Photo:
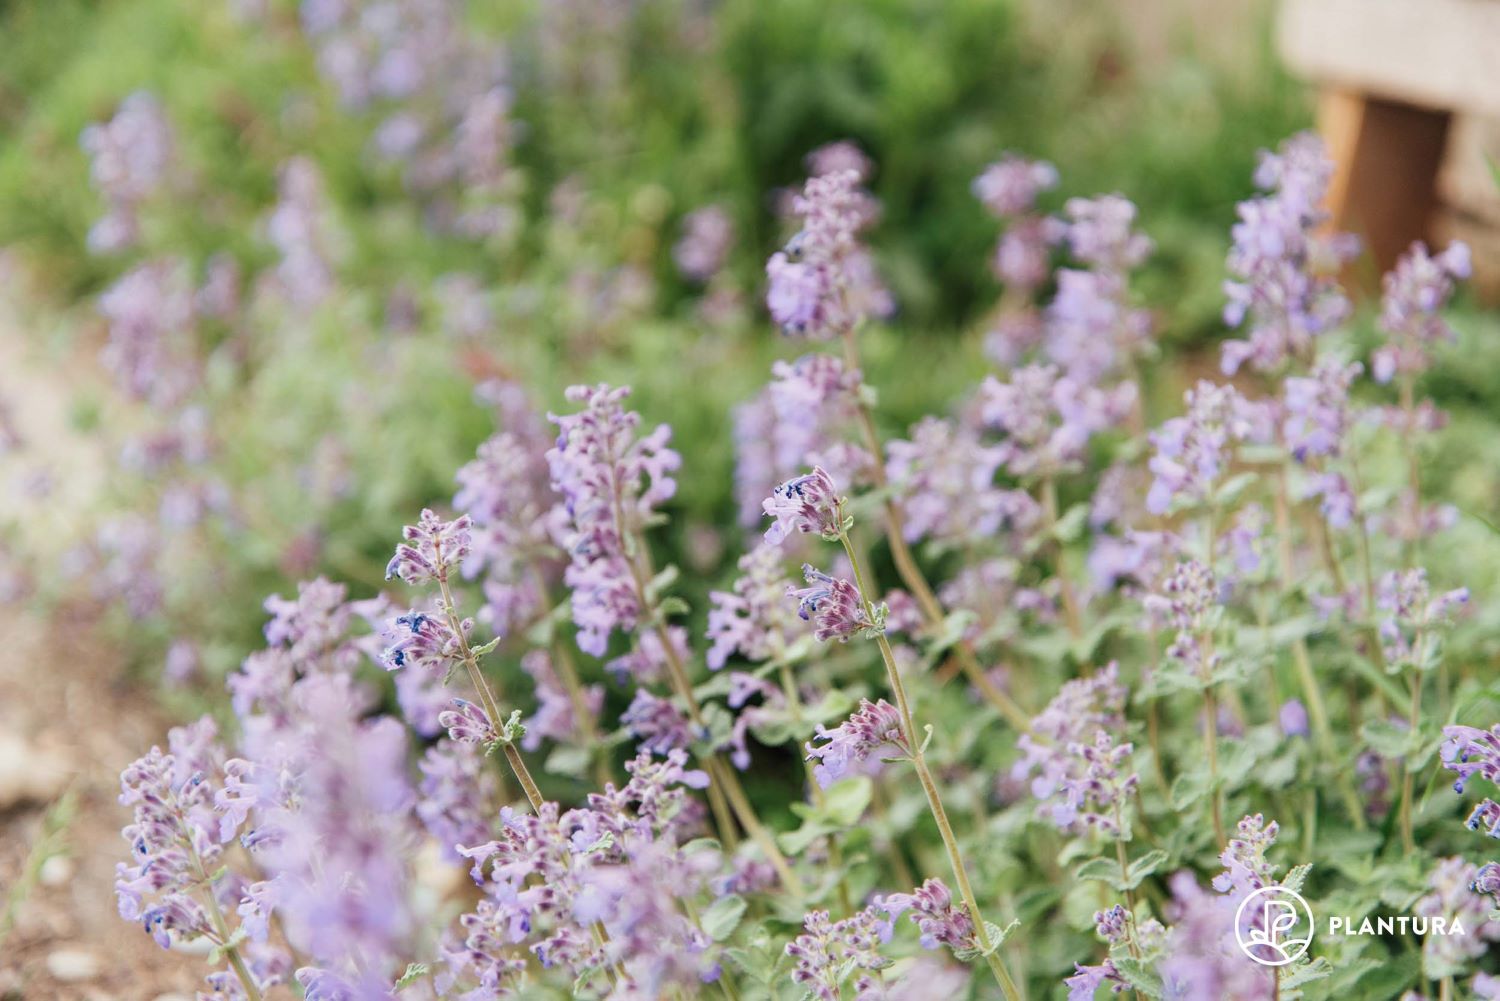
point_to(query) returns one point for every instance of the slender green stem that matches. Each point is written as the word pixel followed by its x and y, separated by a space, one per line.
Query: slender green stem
pixel 221 927
pixel 929 787
pixel 487 697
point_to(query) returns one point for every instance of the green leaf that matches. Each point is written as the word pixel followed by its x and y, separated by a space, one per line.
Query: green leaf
pixel 1070 526
pixel 1138 975
pixel 414 972
pixel 1296 877
pixel 723 916
pixel 1386 738
pixel 845 802
pixel 1143 867
pixel 1188 788
pixel 1106 870
pixel 1306 973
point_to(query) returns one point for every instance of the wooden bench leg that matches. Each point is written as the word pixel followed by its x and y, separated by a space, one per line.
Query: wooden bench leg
pixel 1386 157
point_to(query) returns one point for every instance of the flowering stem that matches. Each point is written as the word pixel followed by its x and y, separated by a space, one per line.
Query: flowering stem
pixel 486 697
pixel 221 927
pixel 929 787
pixel 911 574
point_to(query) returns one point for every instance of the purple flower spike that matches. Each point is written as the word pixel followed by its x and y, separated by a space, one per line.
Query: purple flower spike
pixel 433 549
pixel 468 723
pixel 809 503
pixel 834 605
pixel 874 729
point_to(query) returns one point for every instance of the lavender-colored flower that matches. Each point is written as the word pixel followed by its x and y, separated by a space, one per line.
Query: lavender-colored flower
pixel 799 420
pixel 1082 708
pixel 423 641
pixel 932 911
pixel 657 724
pixel 810 503
pixel 824 283
pixel 834 606
pixel 1022 261
pixel 150 352
pixel 506 493
pixel 945 478
pixel 1048 417
pixel 1452 896
pixel 1010 186
pixel 875 730
pixel 433 549
pixel 1416 291
pixel 1087 980
pixel 337 860
pixel 1101 233
pixel 648 661
pixel 1292 718
pixel 1091 329
pixel 468 723
pixel 838 156
pixel 130 156
pixel 300 229
pixel 828 953
pixel 707 236
pixel 611 480
pixel 313 627
pixel 1315 409
pixel 457 796
pixel 1189 601
pixel 1485 816
pixel 557 715
pixel 1413 617
pixel 1096 793
pixel 1246 868
pixel 1284 268
pixel 754 620
pixel 1203 960
pixel 1192 451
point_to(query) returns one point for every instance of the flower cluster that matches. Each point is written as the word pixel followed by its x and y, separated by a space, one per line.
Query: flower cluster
pixel 1411 309
pixel 1192 451
pixel 875 729
pixel 1048 417
pixel 1284 267
pixel 1412 616
pixel 823 283
pixel 611 481
pixel 809 504
pixel 753 619
pixel 798 421
pixel 130 157
pixel 828 953
pixel 834 606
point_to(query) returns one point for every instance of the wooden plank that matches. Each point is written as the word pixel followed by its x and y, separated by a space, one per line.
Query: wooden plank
pixel 1386 158
pixel 1439 54
pixel 1467 181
